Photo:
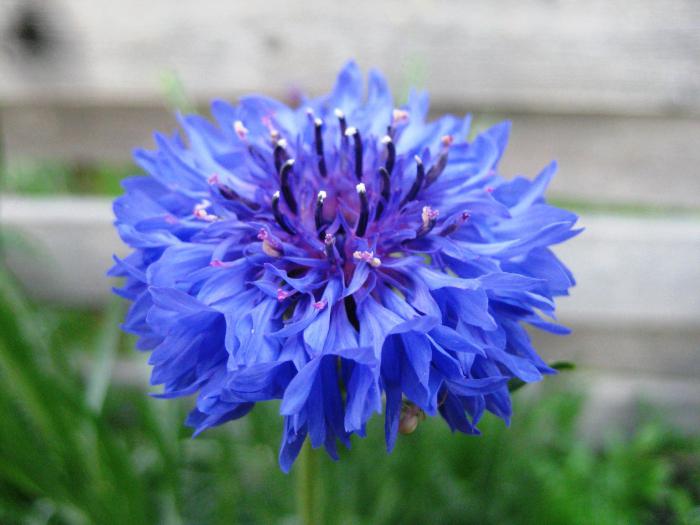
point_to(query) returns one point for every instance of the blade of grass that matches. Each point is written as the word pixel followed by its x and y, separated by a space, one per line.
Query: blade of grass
pixel 40 396
pixel 560 366
pixel 92 469
pixel 106 346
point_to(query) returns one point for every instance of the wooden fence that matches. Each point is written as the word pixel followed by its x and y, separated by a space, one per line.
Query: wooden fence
pixel 611 89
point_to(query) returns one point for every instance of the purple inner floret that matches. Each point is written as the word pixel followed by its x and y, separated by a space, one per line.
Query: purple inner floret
pixel 346 257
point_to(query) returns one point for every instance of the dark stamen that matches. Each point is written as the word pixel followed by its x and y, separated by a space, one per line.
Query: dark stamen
pixel 351 311
pixel 318 213
pixel 364 210
pixel 355 134
pixel 450 229
pixel 420 175
pixel 386 192
pixel 280 154
pixel 386 183
pixel 281 219
pixel 425 230
pixel 436 169
pixel 258 157
pixel 342 122
pixel 229 194
pixel 390 154
pixel 286 188
pixel 318 135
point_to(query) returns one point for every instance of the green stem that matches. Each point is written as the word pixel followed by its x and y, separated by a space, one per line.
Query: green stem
pixel 308 501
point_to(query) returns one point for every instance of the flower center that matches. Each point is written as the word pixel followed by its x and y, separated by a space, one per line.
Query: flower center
pixel 315 200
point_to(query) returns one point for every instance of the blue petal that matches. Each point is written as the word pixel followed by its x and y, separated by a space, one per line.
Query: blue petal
pixel 299 388
pixel 292 441
pixel 499 134
pixel 348 90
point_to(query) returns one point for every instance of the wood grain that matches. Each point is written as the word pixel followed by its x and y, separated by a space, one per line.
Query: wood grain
pixel 627 56
pixel 630 271
pixel 616 401
pixel 609 159
pixel 634 313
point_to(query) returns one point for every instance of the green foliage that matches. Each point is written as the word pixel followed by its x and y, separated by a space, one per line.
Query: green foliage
pixel 560 366
pixel 55 453
pixel 77 449
pixel 50 178
pixel 174 92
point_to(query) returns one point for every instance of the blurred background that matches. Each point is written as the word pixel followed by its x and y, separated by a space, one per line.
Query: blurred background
pixel 610 89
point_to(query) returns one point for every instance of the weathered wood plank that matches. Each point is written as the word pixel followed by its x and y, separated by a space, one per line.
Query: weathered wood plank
pixel 627 345
pixel 617 402
pixel 638 57
pixel 634 270
pixel 60 248
pixel 652 161
pixel 79 133
pixel 629 269
pixel 635 308
pixel 602 158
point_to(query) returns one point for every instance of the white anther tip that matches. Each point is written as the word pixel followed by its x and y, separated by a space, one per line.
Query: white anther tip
pixel 361 188
pixel 350 131
pixel 321 195
pixel 339 113
pixel 240 129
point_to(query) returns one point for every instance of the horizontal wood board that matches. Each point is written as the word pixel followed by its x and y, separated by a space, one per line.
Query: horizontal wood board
pixel 622 57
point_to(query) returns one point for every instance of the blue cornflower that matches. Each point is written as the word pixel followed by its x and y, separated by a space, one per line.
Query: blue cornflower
pixel 347 257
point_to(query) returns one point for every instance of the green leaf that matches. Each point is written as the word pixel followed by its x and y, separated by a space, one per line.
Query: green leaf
pixel 516 384
pixel 107 345
pixel 562 366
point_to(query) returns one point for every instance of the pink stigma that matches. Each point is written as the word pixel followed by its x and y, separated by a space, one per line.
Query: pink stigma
pixel 200 211
pixel 269 245
pixel 320 305
pixel 399 116
pixel 283 294
pixel 368 257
